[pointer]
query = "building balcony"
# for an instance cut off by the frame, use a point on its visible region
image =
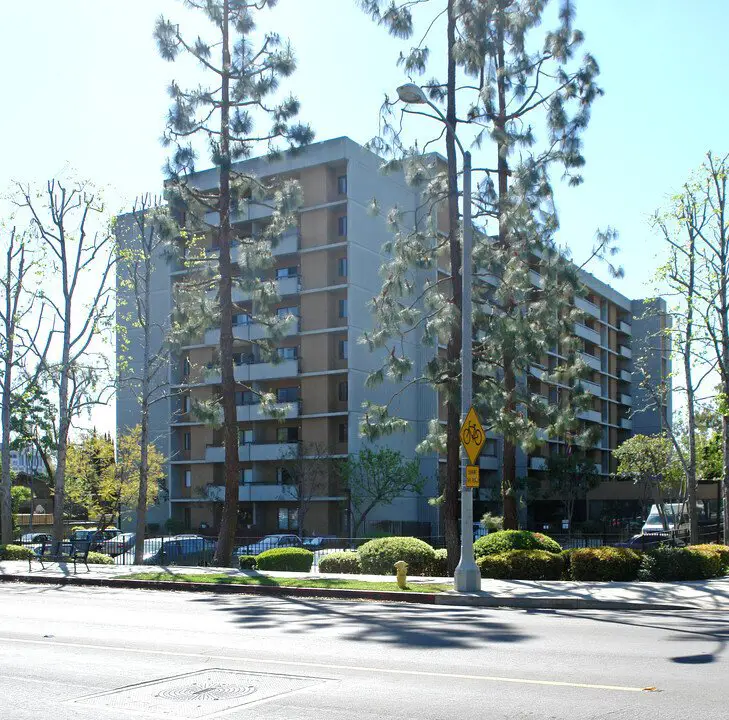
(249, 372)
(626, 376)
(538, 463)
(591, 387)
(253, 413)
(625, 328)
(626, 352)
(587, 307)
(626, 399)
(626, 423)
(250, 331)
(284, 286)
(252, 452)
(255, 492)
(488, 462)
(591, 361)
(537, 372)
(587, 333)
(536, 279)
(591, 415)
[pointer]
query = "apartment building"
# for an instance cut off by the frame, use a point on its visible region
(326, 270)
(617, 337)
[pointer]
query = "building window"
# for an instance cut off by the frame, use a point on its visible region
(343, 308)
(343, 432)
(287, 394)
(342, 267)
(245, 437)
(187, 441)
(343, 391)
(342, 184)
(287, 272)
(288, 353)
(246, 476)
(185, 403)
(288, 519)
(246, 397)
(343, 350)
(186, 366)
(284, 476)
(188, 478)
(342, 226)
(489, 448)
(287, 434)
(241, 319)
(283, 312)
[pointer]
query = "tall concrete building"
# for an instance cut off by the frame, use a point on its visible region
(327, 269)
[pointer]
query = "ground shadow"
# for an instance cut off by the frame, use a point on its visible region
(377, 623)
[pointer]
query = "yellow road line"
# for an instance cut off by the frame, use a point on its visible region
(329, 666)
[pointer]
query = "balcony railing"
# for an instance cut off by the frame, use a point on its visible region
(249, 331)
(626, 375)
(587, 307)
(253, 452)
(625, 328)
(626, 423)
(254, 412)
(587, 333)
(626, 352)
(626, 399)
(591, 415)
(591, 360)
(538, 463)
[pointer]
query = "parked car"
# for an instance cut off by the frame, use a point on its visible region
(32, 538)
(648, 541)
(269, 542)
(118, 544)
(323, 542)
(676, 519)
(95, 537)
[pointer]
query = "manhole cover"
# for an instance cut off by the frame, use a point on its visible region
(199, 694)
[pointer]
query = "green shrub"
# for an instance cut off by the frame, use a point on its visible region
(604, 563)
(378, 557)
(174, 526)
(15, 552)
(97, 558)
(439, 566)
(247, 562)
(289, 559)
(492, 523)
(522, 565)
(505, 540)
(721, 550)
(664, 564)
(566, 564)
(340, 562)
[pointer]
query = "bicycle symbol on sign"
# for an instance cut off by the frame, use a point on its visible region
(472, 433)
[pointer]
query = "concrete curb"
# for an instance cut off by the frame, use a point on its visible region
(445, 599)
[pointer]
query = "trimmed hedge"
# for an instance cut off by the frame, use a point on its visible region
(247, 562)
(378, 557)
(439, 566)
(604, 563)
(664, 564)
(340, 562)
(721, 550)
(15, 552)
(97, 558)
(290, 559)
(505, 540)
(522, 565)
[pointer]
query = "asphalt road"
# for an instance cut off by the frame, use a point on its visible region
(106, 654)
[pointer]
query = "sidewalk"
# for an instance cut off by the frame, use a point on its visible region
(704, 595)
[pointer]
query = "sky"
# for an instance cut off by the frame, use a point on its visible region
(85, 89)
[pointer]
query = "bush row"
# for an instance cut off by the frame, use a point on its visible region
(19, 552)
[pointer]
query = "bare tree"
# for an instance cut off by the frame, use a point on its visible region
(20, 322)
(309, 471)
(78, 239)
(147, 242)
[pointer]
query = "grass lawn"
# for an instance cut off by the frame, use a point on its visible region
(222, 579)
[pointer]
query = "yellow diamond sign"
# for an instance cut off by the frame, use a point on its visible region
(473, 436)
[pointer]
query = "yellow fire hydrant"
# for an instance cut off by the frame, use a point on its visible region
(401, 568)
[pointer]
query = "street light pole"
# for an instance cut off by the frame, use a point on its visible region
(467, 577)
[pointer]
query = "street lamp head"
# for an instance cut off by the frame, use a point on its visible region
(412, 94)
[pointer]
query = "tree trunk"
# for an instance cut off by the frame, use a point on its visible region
(229, 520)
(509, 488)
(690, 405)
(144, 434)
(6, 508)
(453, 353)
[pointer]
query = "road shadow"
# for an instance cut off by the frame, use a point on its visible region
(680, 626)
(376, 623)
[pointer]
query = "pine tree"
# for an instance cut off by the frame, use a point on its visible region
(240, 83)
(524, 283)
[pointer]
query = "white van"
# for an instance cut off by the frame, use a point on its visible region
(676, 519)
